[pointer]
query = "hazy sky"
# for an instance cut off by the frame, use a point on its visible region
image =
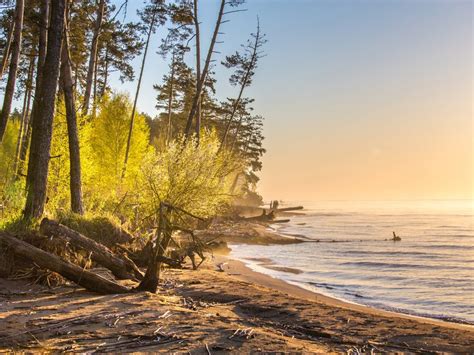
(362, 99)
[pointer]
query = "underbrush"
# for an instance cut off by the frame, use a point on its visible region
(104, 229)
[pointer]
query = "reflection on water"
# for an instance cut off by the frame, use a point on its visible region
(429, 272)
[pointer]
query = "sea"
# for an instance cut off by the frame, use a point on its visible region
(349, 255)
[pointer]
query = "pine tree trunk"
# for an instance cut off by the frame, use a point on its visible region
(25, 139)
(170, 101)
(94, 95)
(42, 43)
(6, 50)
(20, 130)
(93, 57)
(43, 122)
(198, 67)
(137, 92)
(24, 115)
(75, 181)
(106, 72)
(200, 85)
(15, 57)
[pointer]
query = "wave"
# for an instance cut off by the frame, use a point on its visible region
(448, 246)
(374, 264)
(347, 255)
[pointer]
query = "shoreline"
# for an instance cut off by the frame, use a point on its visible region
(268, 234)
(207, 311)
(238, 269)
(224, 306)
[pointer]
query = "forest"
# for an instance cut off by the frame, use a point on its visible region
(78, 150)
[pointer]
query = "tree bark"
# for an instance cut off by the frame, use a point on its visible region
(94, 95)
(42, 43)
(25, 138)
(75, 181)
(93, 57)
(163, 237)
(24, 115)
(122, 269)
(137, 92)
(20, 130)
(6, 50)
(15, 57)
(170, 101)
(72, 272)
(200, 85)
(106, 72)
(198, 67)
(43, 123)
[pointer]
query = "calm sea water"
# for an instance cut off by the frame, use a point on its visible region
(430, 272)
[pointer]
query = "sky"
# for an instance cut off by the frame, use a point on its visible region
(362, 99)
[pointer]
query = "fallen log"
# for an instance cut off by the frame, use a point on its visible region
(143, 256)
(262, 218)
(121, 268)
(288, 209)
(280, 221)
(72, 272)
(170, 262)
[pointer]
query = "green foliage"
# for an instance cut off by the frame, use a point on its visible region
(103, 143)
(104, 152)
(194, 178)
(11, 192)
(58, 175)
(13, 200)
(16, 224)
(7, 152)
(103, 229)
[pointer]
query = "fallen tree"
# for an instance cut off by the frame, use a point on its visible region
(72, 272)
(142, 257)
(122, 268)
(280, 221)
(288, 209)
(99, 228)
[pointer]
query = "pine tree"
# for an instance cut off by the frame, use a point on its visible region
(42, 124)
(244, 65)
(93, 55)
(14, 60)
(75, 179)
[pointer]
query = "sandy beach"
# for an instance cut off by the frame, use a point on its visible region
(208, 311)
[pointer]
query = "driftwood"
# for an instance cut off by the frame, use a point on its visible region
(280, 221)
(261, 218)
(122, 268)
(269, 216)
(72, 272)
(142, 257)
(288, 209)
